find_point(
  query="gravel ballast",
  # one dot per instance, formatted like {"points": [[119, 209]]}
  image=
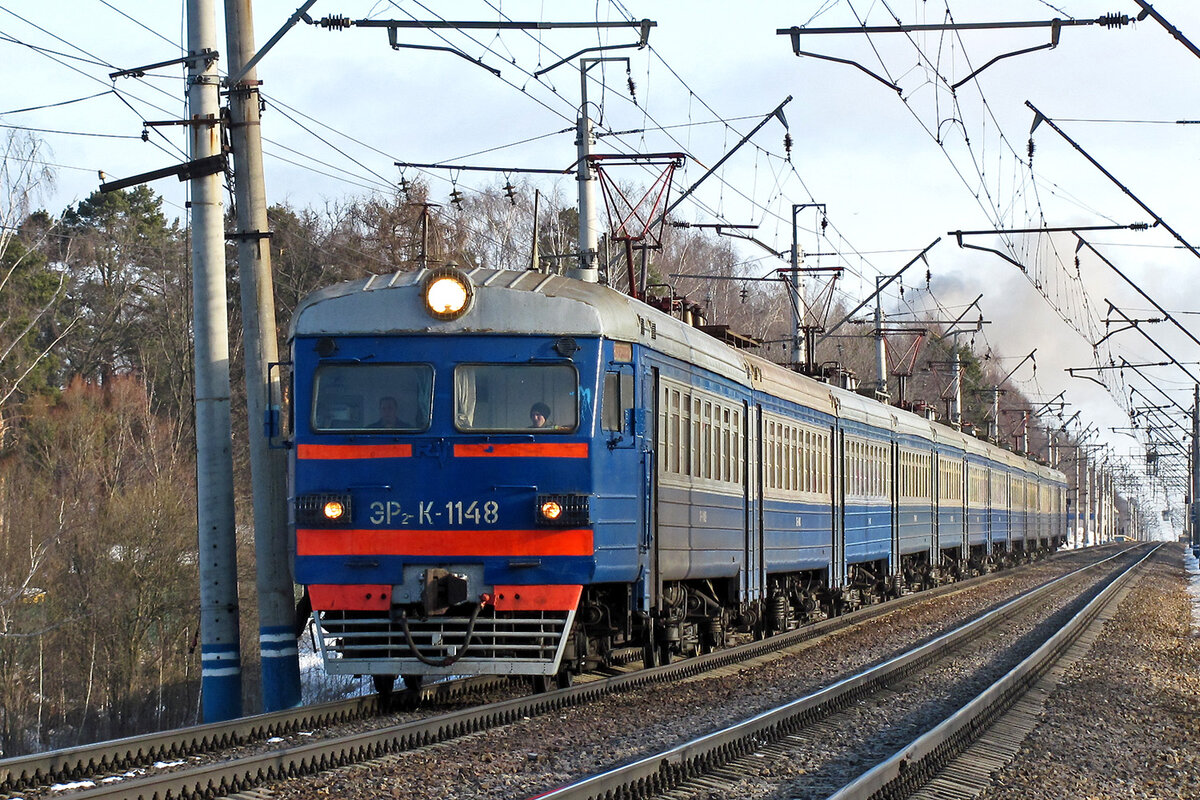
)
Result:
{"points": [[534, 755], [1125, 721]]}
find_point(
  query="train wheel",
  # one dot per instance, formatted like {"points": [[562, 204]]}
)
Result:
{"points": [[411, 699], [649, 655], [383, 686], [564, 679]]}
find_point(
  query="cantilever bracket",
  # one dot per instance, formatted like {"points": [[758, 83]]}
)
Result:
{"points": [[795, 34], [1055, 30], [1071, 372], [393, 40], [958, 235], [210, 165], [206, 55]]}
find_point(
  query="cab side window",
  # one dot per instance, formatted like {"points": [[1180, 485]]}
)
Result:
{"points": [[616, 400]]}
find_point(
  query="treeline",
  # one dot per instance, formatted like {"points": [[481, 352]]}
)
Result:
{"points": [[99, 610]]}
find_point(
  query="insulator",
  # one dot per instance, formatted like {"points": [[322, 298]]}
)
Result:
{"points": [[632, 88], [456, 198], [335, 23], [145, 135], [824, 223], [787, 145], [1031, 151], [743, 293], [1114, 20], [404, 187], [511, 193]]}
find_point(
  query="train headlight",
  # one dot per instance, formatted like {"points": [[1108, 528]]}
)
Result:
{"points": [[562, 510], [324, 510], [448, 293]]}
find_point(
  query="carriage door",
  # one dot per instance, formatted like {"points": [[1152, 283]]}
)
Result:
{"points": [[754, 581], [894, 502], [648, 432], [837, 486]]}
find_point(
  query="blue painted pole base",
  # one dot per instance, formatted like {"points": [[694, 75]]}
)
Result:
{"points": [[280, 667], [220, 683]]}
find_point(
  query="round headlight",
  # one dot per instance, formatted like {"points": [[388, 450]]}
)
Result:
{"points": [[333, 510], [448, 293], [551, 510]]}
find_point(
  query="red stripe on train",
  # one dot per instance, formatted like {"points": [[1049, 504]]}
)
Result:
{"points": [[378, 597], [523, 450], [351, 597], [443, 543], [314, 452], [537, 598]]}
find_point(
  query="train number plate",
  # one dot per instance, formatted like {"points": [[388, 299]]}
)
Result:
{"points": [[419, 513]]}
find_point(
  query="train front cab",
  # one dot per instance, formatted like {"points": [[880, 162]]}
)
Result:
{"points": [[458, 519]]}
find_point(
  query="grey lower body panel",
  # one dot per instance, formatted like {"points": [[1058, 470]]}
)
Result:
{"points": [[513, 643]]}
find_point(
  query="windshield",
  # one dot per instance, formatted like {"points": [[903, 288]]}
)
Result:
{"points": [[372, 397], [516, 397]]}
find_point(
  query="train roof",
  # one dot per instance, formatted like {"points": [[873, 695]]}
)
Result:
{"points": [[536, 303]]}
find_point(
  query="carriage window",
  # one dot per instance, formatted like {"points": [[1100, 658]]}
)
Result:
{"points": [[516, 397], [372, 397]]}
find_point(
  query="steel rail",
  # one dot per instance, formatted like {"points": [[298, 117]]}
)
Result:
{"points": [[917, 763], [291, 762], [72, 763], [85, 761], [662, 771]]}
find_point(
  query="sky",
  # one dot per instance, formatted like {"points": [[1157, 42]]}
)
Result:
{"points": [[895, 167]]}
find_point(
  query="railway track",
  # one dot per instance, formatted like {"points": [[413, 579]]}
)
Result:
{"points": [[75, 764], [245, 772], [951, 759]]}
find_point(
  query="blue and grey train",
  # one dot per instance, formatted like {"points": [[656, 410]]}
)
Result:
{"points": [[510, 472]]}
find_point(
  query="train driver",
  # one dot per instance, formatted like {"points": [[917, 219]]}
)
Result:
{"points": [[539, 416], [389, 414]]}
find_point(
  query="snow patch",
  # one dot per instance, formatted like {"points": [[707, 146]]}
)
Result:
{"points": [[1193, 569], [67, 787]]}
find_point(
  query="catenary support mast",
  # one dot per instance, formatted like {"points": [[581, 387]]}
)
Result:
{"points": [[221, 675], [276, 632]]}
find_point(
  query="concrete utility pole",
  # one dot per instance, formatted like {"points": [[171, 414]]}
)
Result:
{"points": [[799, 357], [276, 603], [1194, 509], [221, 674], [881, 366], [589, 231]]}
